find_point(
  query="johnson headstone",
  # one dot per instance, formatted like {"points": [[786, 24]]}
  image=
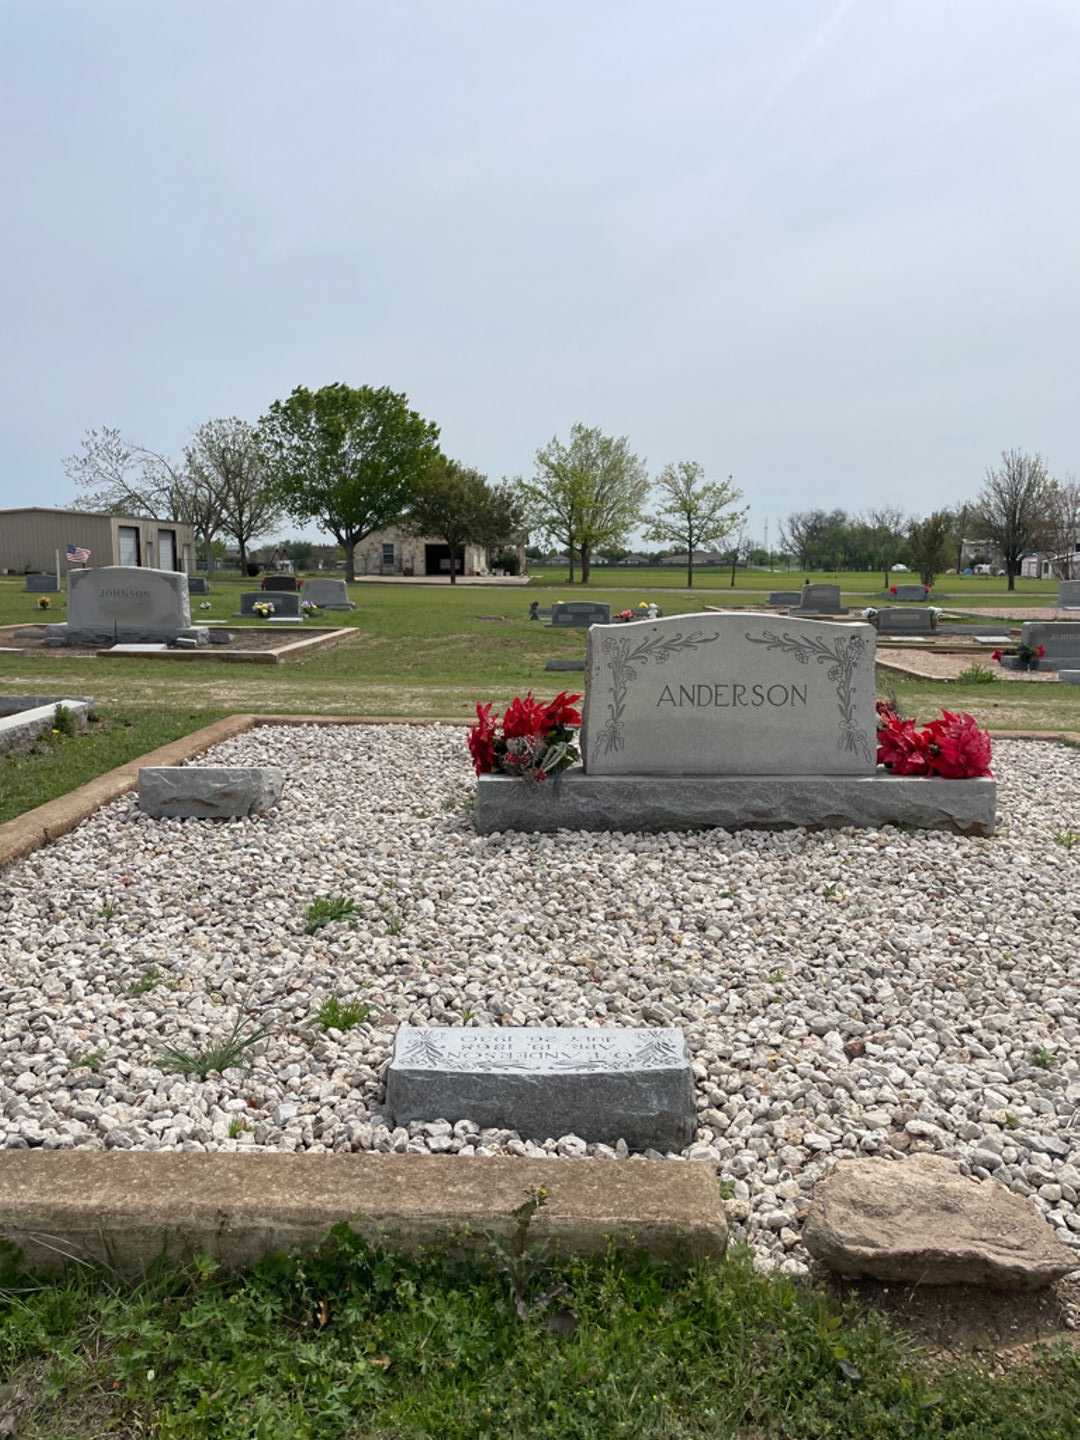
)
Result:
{"points": [[126, 603], [730, 694], [599, 1084]]}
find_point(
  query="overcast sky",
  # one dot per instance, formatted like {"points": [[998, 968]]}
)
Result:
{"points": [[831, 248]]}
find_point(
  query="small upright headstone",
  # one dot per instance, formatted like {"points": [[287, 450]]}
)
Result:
{"points": [[285, 605], [328, 594], [1061, 639], [821, 600], [580, 613], [285, 583], [1068, 595], [909, 592], [599, 1084], [126, 603], [42, 585], [895, 621], [198, 585], [205, 792], [785, 597]]}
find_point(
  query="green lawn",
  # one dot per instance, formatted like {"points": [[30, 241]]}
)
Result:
{"points": [[354, 1345]]}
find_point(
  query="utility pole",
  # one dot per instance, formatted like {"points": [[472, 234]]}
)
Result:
{"points": [[768, 552]]}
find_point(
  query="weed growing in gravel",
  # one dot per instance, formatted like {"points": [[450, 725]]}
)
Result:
{"points": [[90, 1061], [108, 911], [726, 1189], [1011, 1122], [325, 909], [1043, 1058], [395, 924], [223, 1052], [335, 1014], [977, 674], [237, 1126], [1068, 838], [146, 982]]}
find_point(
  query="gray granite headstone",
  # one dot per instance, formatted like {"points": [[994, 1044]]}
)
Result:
{"points": [[198, 585], [286, 583], [909, 592], [905, 622], [599, 1084], [730, 693], [1068, 594], [785, 597], [42, 585], [581, 613], [822, 599], [328, 594], [284, 604], [564, 665], [1061, 638], [126, 603], [205, 792]]}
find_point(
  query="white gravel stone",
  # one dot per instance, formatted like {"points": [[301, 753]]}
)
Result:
{"points": [[843, 992]]}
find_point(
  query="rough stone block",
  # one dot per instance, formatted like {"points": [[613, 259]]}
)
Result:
{"points": [[924, 1222], [207, 792], [598, 1084], [576, 801]]}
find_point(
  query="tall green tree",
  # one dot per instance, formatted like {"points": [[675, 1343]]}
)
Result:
{"points": [[1014, 505], [693, 511], [347, 458], [457, 504], [586, 493], [929, 544]]}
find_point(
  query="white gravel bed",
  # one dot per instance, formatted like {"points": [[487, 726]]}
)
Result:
{"points": [[844, 992]]}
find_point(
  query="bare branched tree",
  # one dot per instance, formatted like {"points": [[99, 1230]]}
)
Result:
{"points": [[226, 464], [128, 479], [1063, 528], [1013, 507]]}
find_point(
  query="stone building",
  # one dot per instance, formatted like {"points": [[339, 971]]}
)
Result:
{"points": [[393, 552]]}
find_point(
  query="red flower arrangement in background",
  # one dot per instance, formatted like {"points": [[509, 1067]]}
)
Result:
{"points": [[530, 739], [1028, 656], [952, 747]]}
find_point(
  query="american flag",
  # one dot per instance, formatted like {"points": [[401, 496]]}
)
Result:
{"points": [[76, 555]]}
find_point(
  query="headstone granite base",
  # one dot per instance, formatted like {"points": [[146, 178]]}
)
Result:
{"points": [[599, 1084], [577, 801], [205, 792]]}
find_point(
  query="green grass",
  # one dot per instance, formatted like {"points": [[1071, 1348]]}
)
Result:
{"points": [[335, 1014], [325, 910], [357, 1345], [227, 1051]]}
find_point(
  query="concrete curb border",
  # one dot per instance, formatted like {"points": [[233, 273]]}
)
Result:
{"points": [[129, 1209]]}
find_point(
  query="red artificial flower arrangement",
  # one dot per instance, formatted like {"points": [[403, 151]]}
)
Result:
{"points": [[952, 747], [1026, 654], [892, 589], [530, 739]]}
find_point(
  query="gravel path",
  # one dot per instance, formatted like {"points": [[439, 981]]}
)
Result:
{"points": [[844, 992]]}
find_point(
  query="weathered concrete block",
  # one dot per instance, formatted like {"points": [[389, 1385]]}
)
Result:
{"points": [[598, 1084], [128, 1209], [576, 801], [208, 792]]}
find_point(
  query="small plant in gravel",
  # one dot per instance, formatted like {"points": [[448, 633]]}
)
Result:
{"points": [[90, 1061], [108, 911], [222, 1052], [1043, 1058], [395, 924], [147, 981], [977, 675], [237, 1126], [335, 1014], [1011, 1121], [325, 910], [1068, 838]]}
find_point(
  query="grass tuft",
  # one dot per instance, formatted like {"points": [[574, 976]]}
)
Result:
{"points": [[325, 910], [223, 1052], [335, 1014]]}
